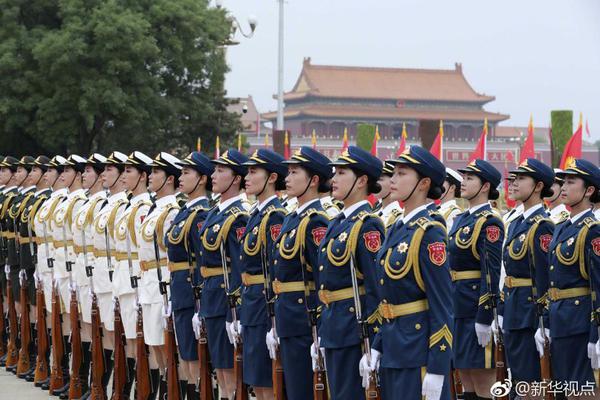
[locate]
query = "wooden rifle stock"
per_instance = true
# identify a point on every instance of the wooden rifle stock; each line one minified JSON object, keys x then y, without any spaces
{"x":57,"y":380}
{"x":2,"y":326}
{"x":501,"y":367}
{"x":41,"y":363}
{"x":97,"y":350}
{"x":11,"y":348}
{"x":24,"y":363}
{"x":173,"y":390}
{"x":241,"y":389}
{"x":278,"y":382}
{"x":456,"y":388}
{"x":546,"y":371}
{"x":206,"y":390}
{"x":120,"y":371}
{"x":75,"y":389}
{"x":142,"y":372}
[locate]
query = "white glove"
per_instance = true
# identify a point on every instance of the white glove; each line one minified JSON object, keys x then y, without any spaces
{"x":235,"y":331}
{"x":592,"y":355}
{"x":484,"y":334}
{"x":197,"y":325}
{"x":36,"y":276}
{"x":166,"y":314}
{"x":497,"y":328}
{"x":539,"y":340}
{"x":7,"y":271}
{"x":272,"y":343}
{"x":22,"y":276}
{"x":432,"y":386}
{"x":73,"y":286}
{"x":598,"y":351}
{"x":366,"y":366}
{"x":90,"y":295}
{"x":314,"y":355}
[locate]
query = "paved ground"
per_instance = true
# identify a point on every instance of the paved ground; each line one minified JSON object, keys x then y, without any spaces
{"x":12,"y":388}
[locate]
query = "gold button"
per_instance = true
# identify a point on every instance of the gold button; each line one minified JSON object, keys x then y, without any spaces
{"x":275,"y":262}
{"x":222,"y":285}
{"x":450,"y":237}
{"x":322,"y":286}
{"x":576,"y":302}
{"x":321,"y":268}
{"x":200,"y":253}
{"x":529,"y":298}
{"x":240,"y":257}
{"x":384,"y":301}
{"x":323,"y":250}
{"x":551,"y":267}
{"x":474,"y":287}
{"x":381,"y":262}
{"x":300,"y":301}
{"x":277,"y":245}
{"x":351,"y":309}
{"x":397,"y":262}
{"x":417,"y":326}
{"x":381,"y":281}
{"x":551,"y":283}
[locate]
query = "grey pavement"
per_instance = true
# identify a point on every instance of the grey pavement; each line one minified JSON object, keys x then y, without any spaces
{"x":12,"y":388}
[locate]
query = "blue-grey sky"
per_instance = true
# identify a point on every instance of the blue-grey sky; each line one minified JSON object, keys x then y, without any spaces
{"x":533,"y":55}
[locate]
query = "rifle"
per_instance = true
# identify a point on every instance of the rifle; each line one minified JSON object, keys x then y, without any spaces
{"x":97,"y":350}
{"x":372,"y":391}
{"x":12,"y":358}
{"x":24,"y":362}
{"x":120,"y":369}
{"x":41,"y":363}
{"x":241,"y":389}
{"x":142,"y":372}
{"x":57,"y":379}
{"x":499,"y":355}
{"x":76,"y":352}
{"x":173,"y":388}
{"x":319,"y":375}
{"x":4,"y":247}
{"x":545,"y":360}
{"x":278,"y":381}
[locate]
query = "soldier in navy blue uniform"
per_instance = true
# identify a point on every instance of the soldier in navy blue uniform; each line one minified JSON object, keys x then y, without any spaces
{"x":266,"y":175}
{"x":294,"y":259}
{"x":414,"y":342}
{"x":224,"y":227}
{"x":574,"y":252}
{"x":475,"y":251}
{"x":183,"y":242}
{"x":354,"y":235}
{"x":526,"y":263}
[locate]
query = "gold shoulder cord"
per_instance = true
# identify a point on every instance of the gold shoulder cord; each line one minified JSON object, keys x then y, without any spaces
{"x":223,"y":232}
{"x":176,"y":239}
{"x":19,"y":209}
{"x":5,"y":204}
{"x":160,"y":227}
{"x":472,"y":241}
{"x":579,"y":251}
{"x":69,"y":211}
{"x":262,"y":234}
{"x":89,"y":214}
{"x":289,"y":253}
{"x":49,"y":211}
{"x":110,"y":224}
{"x":131,"y":221}
{"x":28,"y":217}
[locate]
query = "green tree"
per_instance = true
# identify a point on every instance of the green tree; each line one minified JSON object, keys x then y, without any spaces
{"x":85,"y":75}
{"x":562,"y":130}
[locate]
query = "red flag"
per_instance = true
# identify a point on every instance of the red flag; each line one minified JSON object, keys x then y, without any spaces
{"x":528,"y":150}
{"x":587,"y":129}
{"x":286,"y":146}
{"x":481,"y":149}
{"x":314,"y":140}
{"x":509,"y":158}
{"x":573,"y":147}
{"x":402,"y":146}
{"x":437,"y":147}
{"x":375,"y":140}
{"x":345,"y":140}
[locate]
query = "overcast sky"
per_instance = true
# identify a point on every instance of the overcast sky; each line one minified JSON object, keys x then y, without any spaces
{"x":533,"y":55}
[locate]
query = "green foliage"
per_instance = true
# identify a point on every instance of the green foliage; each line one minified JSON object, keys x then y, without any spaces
{"x":562,"y":130}
{"x":86,"y":75}
{"x":365,"y":133}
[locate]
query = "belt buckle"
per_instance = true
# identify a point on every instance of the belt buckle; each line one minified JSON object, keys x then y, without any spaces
{"x":453,"y":275}
{"x":386,"y":311}
{"x":509,"y":281}
{"x":276,"y":286}
{"x":553,"y":294}
{"x":324,"y":297}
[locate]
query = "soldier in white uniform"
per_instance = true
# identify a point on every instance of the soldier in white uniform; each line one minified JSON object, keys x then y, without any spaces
{"x":84,"y":251}
{"x":126,"y":229}
{"x":558,"y":211}
{"x":103,"y":225}
{"x":387,"y":209}
{"x":162,"y":181}
{"x":449,"y":208}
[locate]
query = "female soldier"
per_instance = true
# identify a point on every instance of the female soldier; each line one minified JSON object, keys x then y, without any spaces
{"x":526,"y":264}
{"x":475,"y":249}
{"x":183,"y":243}
{"x":387,"y":208}
{"x":266,"y":175}
{"x":223,"y":229}
{"x":415,"y":339}
{"x":352,"y":241}
{"x":294,"y":256}
{"x":574,"y":279}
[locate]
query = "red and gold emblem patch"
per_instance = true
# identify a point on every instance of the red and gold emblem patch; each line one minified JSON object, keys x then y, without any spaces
{"x":275,"y":229}
{"x":318,"y":234}
{"x":596,"y":246}
{"x":492,"y":233}
{"x":239,"y":232}
{"x":545,"y":242}
{"x":437,"y":253}
{"x":199,"y":225}
{"x":372,"y":241}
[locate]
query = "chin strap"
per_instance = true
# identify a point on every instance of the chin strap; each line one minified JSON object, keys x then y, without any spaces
{"x":476,"y":194}
{"x":351,"y":189}
{"x":412,"y":191}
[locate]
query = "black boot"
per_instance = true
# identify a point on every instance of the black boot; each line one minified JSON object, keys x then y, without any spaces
{"x":108,"y":368}
{"x":130,"y":378}
{"x":183,"y":388}
{"x":192,"y":392}
{"x":163,"y":389}
{"x":154,"y":383}
{"x":84,"y":371}
{"x":32,"y":356}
